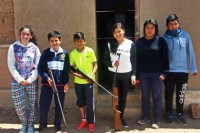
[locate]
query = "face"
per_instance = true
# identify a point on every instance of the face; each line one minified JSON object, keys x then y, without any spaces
{"x":119,"y":34}
{"x":173,"y":25}
{"x":80,"y":43}
{"x":55,"y":43}
{"x":150,"y":31}
{"x":25,"y":36}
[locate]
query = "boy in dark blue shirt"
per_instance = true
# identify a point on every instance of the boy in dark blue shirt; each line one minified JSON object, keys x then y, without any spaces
{"x":57,"y":60}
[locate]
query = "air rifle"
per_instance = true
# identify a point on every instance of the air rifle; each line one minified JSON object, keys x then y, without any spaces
{"x":117,"y":120}
{"x":55,"y":90}
{"x":90,"y":79}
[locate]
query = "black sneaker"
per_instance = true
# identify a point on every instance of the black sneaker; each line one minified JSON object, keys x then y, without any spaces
{"x":170,"y":118}
{"x":58,"y":129}
{"x":181,"y":118}
{"x":143,"y":121}
{"x":124,"y":124}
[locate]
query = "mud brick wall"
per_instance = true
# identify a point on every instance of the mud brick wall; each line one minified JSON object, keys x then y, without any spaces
{"x":7,"y":34}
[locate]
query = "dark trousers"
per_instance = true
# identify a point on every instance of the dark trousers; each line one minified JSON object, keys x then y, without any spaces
{"x":45,"y":102}
{"x":176,"y":81}
{"x":151,"y":85}
{"x":85,"y":98}
{"x":122,"y":84}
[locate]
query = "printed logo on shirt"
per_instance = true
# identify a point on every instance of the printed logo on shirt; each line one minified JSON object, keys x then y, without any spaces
{"x":62,"y":57}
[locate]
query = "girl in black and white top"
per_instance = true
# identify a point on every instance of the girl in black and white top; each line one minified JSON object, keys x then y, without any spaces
{"x":126,"y":64}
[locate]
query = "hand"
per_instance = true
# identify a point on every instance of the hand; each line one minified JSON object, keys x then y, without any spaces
{"x":49,"y":81}
{"x":116,"y":63}
{"x":24,"y":83}
{"x":133,"y":82}
{"x":162,"y":77}
{"x":66,"y":88}
{"x":87,"y":80}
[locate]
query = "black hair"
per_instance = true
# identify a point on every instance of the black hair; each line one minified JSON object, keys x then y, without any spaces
{"x":33,"y":38}
{"x":79,"y":35}
{"x":54,"y":34}
{"x":113,"y":42}
{"x":118,"y":25}
{"x":171,"y":17}
{"x":154,"y":23}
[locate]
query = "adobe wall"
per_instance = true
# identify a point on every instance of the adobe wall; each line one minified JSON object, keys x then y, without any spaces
{"x":70,"y":16}
{"x":7,"y":36}
{"x":6,"y":22}
{"x":67,"y":17}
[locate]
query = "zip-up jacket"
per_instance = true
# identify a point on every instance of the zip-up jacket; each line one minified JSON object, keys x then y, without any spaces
{"x":58,"y":63}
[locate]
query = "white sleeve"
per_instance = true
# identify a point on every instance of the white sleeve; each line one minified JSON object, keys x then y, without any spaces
{"x":34,"y":73}
{"x":11,"y":65}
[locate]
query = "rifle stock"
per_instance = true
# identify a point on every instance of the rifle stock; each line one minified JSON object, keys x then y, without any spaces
{"x":117,"y":120}
{"x":80,"y":72}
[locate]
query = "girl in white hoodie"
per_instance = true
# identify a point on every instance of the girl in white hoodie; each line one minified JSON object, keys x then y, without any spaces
{"x":23,"y":58}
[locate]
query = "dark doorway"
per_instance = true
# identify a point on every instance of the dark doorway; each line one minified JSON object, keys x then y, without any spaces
{"x":107,"y":13}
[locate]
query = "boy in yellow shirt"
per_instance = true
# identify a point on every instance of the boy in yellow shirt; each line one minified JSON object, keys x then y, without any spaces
{"x":84,"y":59}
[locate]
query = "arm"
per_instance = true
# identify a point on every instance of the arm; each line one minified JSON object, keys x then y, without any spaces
{"x":11,"y":65}
{"x":66,"y":69}
{"x":107,"y":58}
{"x":191,"y":56}
{"x":42,"y":67}
{"x":66,"y":72}
{"x":133,"y":64}
{"x":34,"y":73}
{"x":77,"y":72}
{"x":164,"y":55}
{"x":94,"y":69}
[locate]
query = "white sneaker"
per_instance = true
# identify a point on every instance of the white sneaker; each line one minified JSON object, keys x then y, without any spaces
{"x":155,"y":126}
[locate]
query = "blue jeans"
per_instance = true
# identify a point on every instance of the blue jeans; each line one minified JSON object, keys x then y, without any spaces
{"x":151,"y":85}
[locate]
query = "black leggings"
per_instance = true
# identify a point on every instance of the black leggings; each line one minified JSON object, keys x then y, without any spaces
{"x":178,"y":81}
{"x":122,"y":84}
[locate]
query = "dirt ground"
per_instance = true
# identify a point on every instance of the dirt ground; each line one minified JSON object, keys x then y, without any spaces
{"x":10,"y":123}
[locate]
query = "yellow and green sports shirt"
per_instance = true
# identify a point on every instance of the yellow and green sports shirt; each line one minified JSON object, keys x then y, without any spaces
{"x":83,"y":61}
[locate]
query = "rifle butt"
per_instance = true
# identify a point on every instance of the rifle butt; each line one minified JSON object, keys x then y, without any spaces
{"x":117,"y":121}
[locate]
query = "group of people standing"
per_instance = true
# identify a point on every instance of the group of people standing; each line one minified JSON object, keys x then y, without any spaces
{"x":150,"y":61}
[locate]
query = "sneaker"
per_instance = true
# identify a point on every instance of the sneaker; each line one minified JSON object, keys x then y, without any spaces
{"x":58,"y":129}
{"x":181,"y":118}
{"x":31,"y":129}
{"x":41,"y":127}
{"x":170,"y":118}
{"x":124,"y":124}
{"x":155,"y":125}
{"x":23,"y":129}
{"x":143,"y":121}
{"x":81,"y":125}
{"x":91,"y":127}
